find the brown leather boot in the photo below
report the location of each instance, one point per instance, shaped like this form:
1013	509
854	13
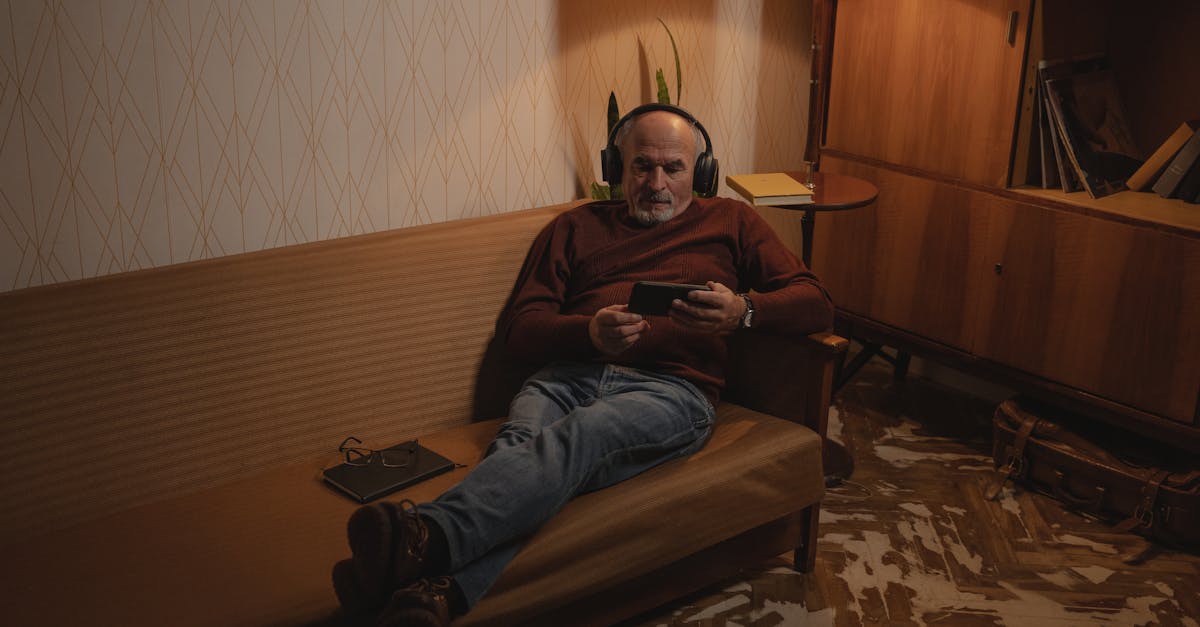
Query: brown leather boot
388	542
359	607
425	603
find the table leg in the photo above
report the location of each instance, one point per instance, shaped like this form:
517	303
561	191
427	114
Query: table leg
806	235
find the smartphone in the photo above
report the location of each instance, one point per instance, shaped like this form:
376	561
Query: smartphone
653	298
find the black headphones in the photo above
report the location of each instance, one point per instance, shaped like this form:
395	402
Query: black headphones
704	173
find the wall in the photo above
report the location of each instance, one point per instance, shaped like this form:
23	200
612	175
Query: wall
138	134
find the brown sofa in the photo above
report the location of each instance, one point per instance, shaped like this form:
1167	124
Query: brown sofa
164	430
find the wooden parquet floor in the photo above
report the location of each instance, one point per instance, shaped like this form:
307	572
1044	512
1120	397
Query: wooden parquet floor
911	540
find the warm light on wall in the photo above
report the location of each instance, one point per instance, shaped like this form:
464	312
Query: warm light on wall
142	135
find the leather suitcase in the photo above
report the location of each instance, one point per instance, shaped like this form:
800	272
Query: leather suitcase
1141	486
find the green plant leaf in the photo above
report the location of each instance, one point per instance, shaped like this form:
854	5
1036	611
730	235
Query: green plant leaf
606	192
678	71
664	96
613	113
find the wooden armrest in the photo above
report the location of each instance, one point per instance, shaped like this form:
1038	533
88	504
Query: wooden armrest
828	341
784	376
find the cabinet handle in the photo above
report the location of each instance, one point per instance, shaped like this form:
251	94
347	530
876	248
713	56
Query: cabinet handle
999	268
1011	36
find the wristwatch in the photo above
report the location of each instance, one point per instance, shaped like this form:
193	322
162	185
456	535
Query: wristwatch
748	317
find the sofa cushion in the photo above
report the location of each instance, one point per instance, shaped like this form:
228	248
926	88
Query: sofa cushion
755	468
259	551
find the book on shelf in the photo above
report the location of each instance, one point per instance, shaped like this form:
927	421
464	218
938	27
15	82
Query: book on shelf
1189	187
1047	155
772	189
1157	162
1194	198
1064	174
1058	170
1095	136
1168	183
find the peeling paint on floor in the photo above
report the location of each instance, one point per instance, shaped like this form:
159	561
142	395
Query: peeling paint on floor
829	517
911	539
904	458
1098	547
1063	579
834	429
1094	574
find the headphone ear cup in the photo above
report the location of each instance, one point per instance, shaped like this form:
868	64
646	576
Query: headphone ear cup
704	178
611	166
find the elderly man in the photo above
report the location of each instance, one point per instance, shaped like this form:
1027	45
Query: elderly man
620	392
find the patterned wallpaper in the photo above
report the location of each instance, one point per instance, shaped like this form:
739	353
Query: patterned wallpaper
140	133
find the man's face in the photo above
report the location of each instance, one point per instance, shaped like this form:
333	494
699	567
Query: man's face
659	154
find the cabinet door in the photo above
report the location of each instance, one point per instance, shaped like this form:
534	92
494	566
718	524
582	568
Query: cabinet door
907	260
1106	307
930	84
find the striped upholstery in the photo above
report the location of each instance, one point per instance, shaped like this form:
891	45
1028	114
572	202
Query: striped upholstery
128	388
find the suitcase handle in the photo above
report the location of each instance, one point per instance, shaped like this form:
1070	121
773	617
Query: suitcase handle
1015	464
1014	467
1062	492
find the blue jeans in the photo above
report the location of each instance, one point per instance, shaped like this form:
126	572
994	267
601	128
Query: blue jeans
572	428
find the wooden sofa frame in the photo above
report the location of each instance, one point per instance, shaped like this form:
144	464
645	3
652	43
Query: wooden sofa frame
164	430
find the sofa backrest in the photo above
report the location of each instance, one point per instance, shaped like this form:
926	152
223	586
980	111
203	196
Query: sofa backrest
124	389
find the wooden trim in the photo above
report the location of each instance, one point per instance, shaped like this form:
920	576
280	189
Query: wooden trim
830	343
1072	399
804	558
1042	198
823	18
1179	218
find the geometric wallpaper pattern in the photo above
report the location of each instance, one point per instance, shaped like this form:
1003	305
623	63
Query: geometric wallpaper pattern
136	134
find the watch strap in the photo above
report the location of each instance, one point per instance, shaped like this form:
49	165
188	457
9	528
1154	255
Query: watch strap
748	317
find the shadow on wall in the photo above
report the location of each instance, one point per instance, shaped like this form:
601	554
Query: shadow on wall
615	47
781	126
745	75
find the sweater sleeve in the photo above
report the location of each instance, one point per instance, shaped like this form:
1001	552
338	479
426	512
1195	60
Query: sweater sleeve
789	299
531	325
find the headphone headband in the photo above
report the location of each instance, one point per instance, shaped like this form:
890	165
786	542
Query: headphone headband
656	106
704	180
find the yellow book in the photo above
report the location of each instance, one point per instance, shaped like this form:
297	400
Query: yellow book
774	189
1154	166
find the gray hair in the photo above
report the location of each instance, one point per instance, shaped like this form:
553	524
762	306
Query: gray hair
627	127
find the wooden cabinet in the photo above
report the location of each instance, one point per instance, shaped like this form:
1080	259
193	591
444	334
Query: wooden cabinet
906	260
932	85
1099	305
1095	302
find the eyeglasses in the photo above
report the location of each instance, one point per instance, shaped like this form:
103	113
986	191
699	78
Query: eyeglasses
397	456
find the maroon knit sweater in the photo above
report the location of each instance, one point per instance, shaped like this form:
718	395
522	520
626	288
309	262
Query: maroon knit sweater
590	257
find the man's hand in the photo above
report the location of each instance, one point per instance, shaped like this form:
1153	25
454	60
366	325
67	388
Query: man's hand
614	329
718	311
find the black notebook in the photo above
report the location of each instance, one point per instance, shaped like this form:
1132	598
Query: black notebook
369	481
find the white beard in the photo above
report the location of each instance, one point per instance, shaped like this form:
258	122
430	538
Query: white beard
653	216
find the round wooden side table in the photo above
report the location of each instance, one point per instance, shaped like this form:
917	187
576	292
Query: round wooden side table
831	192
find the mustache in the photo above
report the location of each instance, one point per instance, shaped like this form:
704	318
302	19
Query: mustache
659	196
